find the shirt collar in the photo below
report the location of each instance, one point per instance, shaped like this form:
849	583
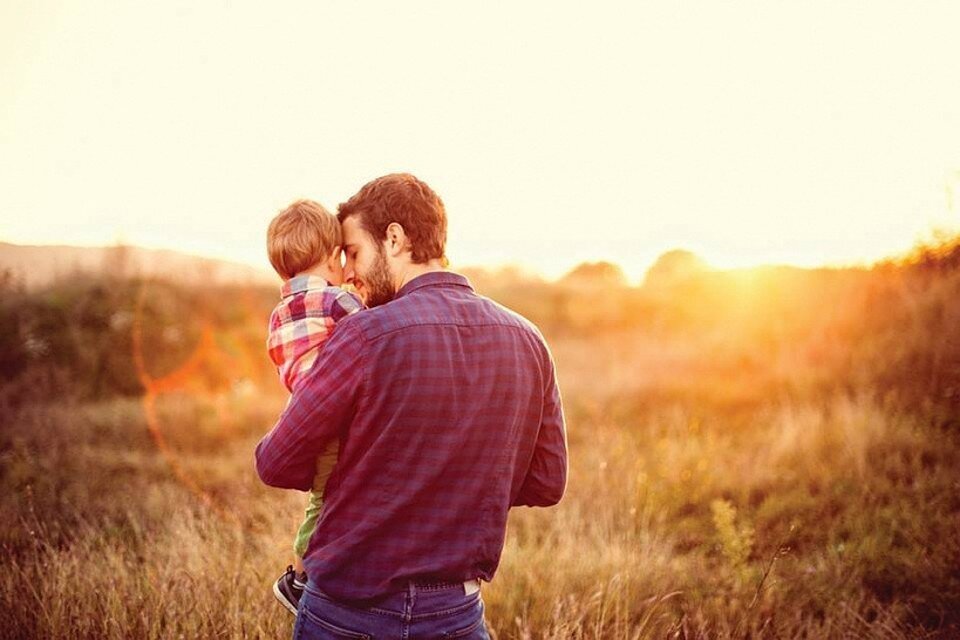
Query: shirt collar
434	279
299	284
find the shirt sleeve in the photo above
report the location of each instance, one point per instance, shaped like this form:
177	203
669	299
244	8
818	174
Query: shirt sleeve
546	478
345	304
320	409
274	347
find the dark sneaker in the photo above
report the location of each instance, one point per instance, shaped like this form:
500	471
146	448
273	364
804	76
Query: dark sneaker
288	588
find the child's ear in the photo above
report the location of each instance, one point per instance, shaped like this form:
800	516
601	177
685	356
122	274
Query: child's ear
334	259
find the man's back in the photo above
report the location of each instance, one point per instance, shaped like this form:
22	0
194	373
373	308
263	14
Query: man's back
449	414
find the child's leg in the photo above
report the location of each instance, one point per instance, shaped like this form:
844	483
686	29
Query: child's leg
325	464
310	516
289	587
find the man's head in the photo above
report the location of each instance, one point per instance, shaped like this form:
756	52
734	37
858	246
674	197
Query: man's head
393	227
305	236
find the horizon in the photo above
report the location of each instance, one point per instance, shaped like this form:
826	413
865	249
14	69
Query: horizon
936	237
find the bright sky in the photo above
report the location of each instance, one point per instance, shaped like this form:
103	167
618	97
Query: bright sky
748	132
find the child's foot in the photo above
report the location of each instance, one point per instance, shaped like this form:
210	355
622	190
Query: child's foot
288	588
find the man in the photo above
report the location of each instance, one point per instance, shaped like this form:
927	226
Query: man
448	413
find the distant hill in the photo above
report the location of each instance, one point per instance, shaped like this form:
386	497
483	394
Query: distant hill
39	265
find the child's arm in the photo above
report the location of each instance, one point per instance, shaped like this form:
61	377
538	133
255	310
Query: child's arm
345	304
302	325
319	410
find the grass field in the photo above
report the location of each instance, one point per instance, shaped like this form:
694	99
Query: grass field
732	480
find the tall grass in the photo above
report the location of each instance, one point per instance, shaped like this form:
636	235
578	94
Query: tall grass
721	486
103	542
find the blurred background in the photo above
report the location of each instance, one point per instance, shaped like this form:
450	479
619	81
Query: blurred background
737	226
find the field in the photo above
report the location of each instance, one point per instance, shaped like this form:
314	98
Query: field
769	453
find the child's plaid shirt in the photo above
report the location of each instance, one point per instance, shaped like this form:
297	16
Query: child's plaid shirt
308	311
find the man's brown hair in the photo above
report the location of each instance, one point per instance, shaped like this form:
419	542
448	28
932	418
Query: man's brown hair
402	198
300	236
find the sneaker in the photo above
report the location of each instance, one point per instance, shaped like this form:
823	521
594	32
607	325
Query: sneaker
288	588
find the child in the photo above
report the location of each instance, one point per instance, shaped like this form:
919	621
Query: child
304	244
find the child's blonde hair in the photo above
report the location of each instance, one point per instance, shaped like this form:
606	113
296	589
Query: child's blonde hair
300	236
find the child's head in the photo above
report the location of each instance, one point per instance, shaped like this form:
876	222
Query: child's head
305	236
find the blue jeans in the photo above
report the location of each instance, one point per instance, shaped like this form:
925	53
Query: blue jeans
418	612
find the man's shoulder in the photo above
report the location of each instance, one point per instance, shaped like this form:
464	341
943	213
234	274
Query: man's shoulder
466	310
508	317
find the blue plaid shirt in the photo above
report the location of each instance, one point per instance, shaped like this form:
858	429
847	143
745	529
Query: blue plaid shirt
448	413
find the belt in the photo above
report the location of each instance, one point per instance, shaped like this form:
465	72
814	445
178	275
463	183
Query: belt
469	586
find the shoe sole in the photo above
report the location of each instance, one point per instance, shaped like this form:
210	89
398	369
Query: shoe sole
286	603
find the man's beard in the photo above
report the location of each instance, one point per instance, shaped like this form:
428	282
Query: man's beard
378	283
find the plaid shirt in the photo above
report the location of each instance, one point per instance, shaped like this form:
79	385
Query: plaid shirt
448	412
308	310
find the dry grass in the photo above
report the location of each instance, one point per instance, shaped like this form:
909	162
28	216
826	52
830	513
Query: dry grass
718	489
104	542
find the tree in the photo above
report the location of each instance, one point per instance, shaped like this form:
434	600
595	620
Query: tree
596	273
674	266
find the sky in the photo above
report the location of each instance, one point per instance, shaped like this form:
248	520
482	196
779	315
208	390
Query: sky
748	132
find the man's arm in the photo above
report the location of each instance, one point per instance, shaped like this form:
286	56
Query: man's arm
547	476
320	409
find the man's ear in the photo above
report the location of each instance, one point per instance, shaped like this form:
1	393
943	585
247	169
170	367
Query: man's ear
396	240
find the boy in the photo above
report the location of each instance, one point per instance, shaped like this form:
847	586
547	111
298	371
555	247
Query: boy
304	245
